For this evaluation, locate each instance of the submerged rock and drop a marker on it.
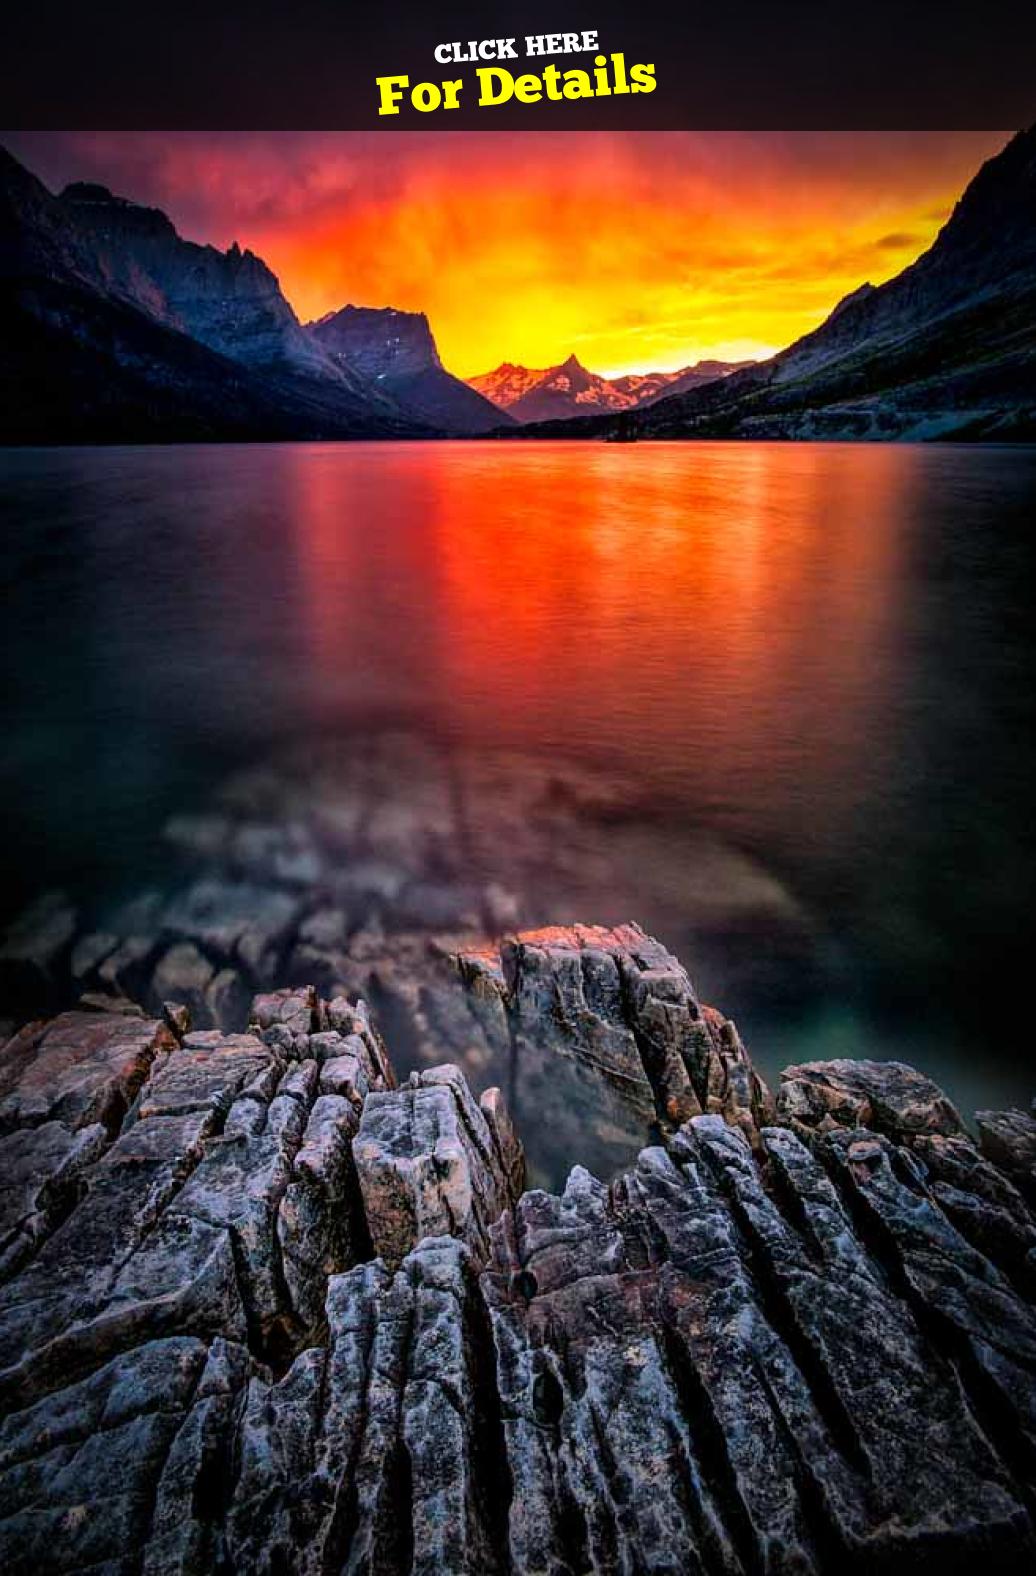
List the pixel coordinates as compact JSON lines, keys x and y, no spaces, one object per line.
{"x":35,"y":947}
{"x":265,"y":1311}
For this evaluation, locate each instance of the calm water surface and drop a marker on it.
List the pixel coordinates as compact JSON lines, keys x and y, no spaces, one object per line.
{"x":815,"y":662}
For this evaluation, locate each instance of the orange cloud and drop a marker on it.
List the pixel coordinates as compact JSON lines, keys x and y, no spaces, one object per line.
{"x":638,"y":250}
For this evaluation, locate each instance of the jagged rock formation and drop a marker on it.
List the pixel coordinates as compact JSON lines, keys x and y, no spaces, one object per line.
{"x":371,"y":872}
{"x":618,"y":1002}
{"x":432,"y":1162}
{"x":886,"y":1096}
{"x":208,"y":1183}
{"x":262,"y":1310}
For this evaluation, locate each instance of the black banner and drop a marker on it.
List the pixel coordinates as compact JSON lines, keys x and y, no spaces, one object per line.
{"x":758,"y":64}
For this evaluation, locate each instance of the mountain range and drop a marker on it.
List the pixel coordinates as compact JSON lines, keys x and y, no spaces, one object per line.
{"x":570,"y":390}
{"x":115,"y":328}
{"x":946,"y":349}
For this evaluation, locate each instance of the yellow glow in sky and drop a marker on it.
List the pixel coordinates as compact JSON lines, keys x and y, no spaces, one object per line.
{"x":637,"y":251}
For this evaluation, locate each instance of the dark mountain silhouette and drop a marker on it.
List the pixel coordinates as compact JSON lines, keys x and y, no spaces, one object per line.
{"x":114,"y":328}
{"x":946,"y":349}
{"x":396,"y":352}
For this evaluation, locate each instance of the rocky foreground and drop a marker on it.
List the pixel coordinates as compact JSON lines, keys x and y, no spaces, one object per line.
{"x":265,"y":1310}
{"x":365,"y":868}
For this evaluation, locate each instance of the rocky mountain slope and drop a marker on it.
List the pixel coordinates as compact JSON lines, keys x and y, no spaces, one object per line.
{"x":115,"y":327}
{"x":396,"y":352}
{"x":570,"y":390}
{"x":647,"y":387}
{"x":565,"y":390}
{"x":506,"y":384}
{"x":946,"y":349}
{"x":267,"y":1310}
{"x":229,"y":300}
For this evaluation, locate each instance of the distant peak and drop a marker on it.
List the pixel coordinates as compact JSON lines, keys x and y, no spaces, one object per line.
{"x":573,"y":364}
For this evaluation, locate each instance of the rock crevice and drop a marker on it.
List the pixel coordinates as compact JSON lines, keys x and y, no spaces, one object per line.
{"x":266,"y":1309}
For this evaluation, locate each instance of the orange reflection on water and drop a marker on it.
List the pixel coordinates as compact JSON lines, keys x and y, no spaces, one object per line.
{"x":723,"y":610}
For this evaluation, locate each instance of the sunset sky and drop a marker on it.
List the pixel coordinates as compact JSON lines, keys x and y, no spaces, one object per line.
{"x":637,"y":251}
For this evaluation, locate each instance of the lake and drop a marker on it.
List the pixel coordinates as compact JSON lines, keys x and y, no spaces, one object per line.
{"x":792,"y":683}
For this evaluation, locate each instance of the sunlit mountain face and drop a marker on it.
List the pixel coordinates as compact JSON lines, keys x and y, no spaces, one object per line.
{"x":635,"y":252}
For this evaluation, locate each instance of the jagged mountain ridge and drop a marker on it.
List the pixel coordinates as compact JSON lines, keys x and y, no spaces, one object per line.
{"x":565,"y":390}
{"x":396,"y":352}
{"x":647,"y":387}
{"x":115,"y":329}
{"x":230,"y":301}
{"x":506,"y":384}
{"x":985,"y":250}
{"x":569,"y":389}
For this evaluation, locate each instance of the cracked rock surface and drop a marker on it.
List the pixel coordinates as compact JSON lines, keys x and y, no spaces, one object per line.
{"x":365,"y":871}
{"x":266,"y":1308}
